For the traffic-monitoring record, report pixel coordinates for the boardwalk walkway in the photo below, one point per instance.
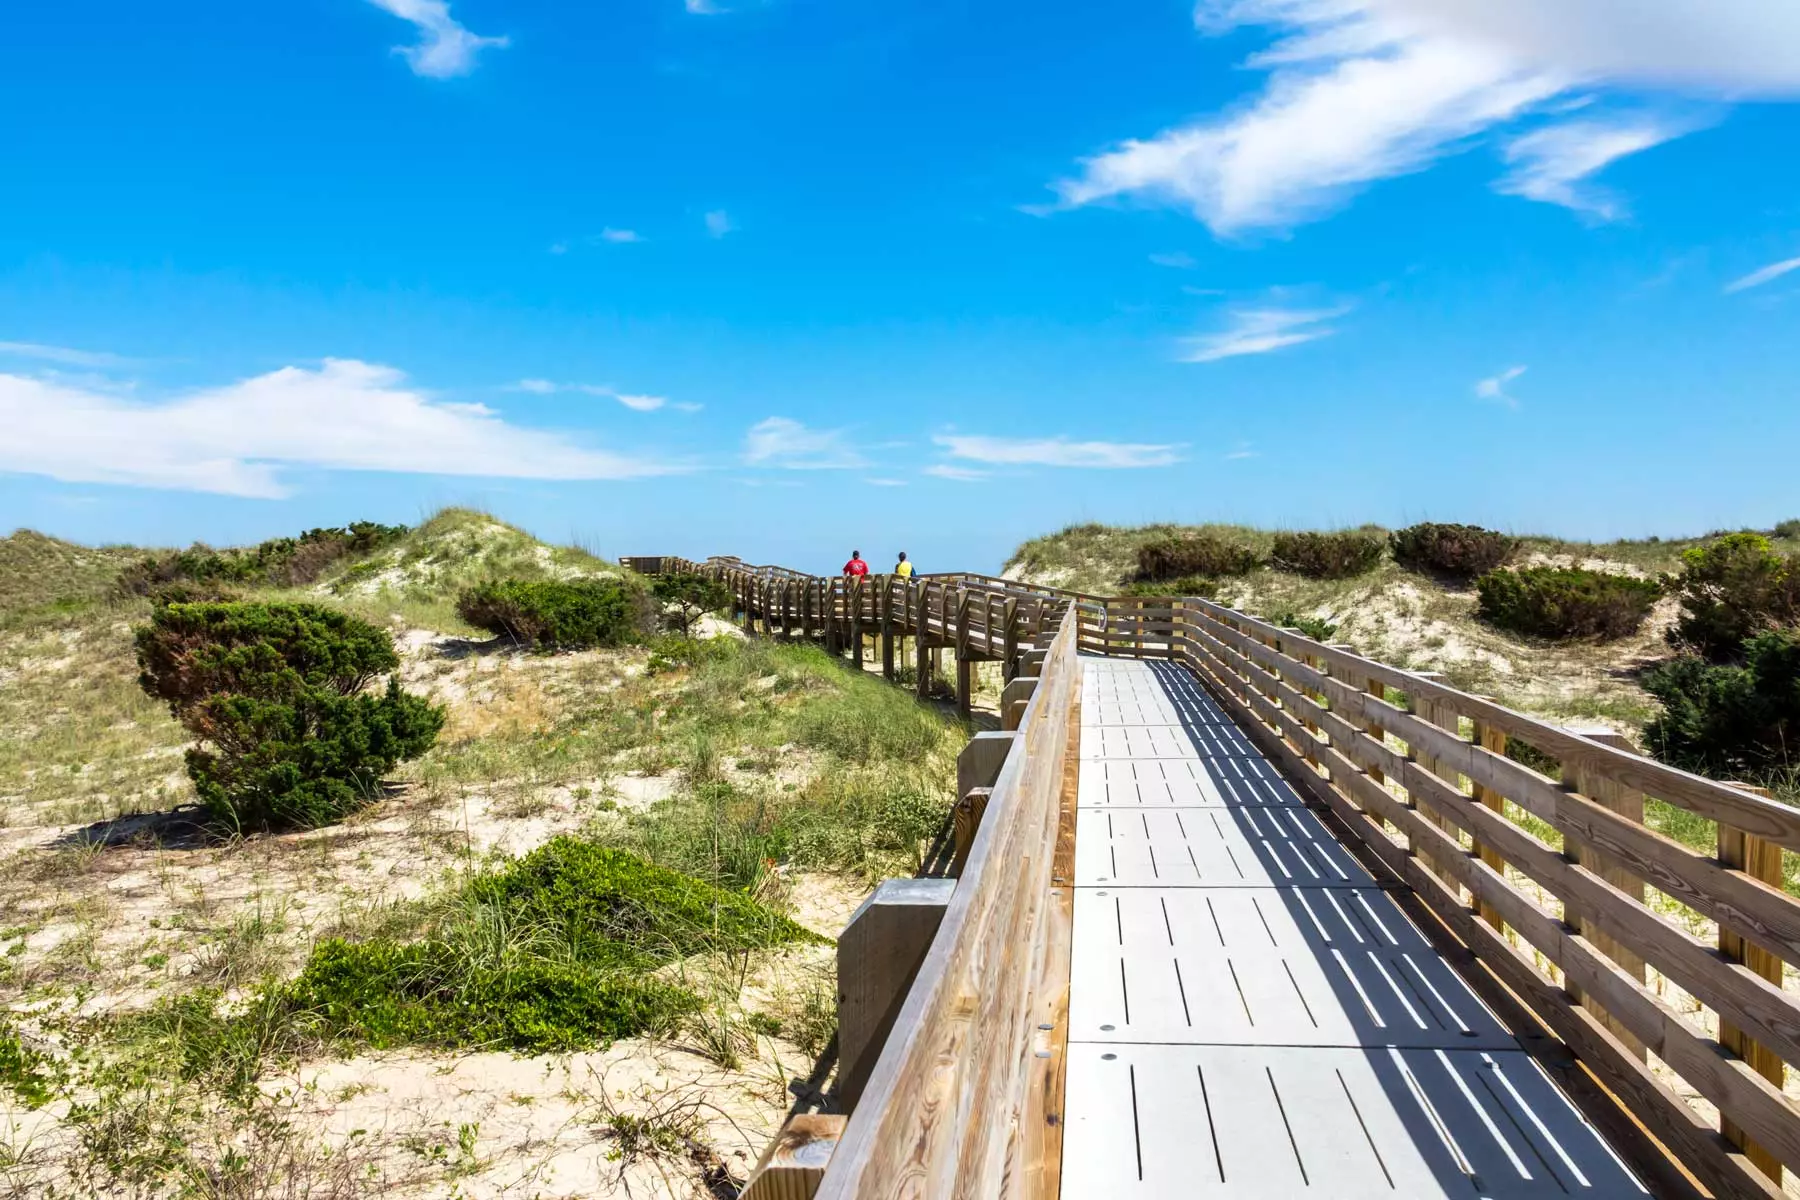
(1250, 1015)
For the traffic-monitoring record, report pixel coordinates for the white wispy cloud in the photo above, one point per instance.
(559, 247)
(788, 444)
(639, 403)
(1494, 387)
(719, 223)
(703, 8)
(235, 440)
(1362, 90)
(1180, 260)
(878, 482)
(1260, 330)
(445, 49)
(1241, 451)
(63, 355)
(619, 236)
(958, 474)
(1767, 274)
(1554, 164)
(1056, 452)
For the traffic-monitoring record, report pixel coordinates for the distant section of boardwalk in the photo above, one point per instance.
(1250, 1014)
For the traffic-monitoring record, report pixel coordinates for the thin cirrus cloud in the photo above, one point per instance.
(1363, 90)
(1180, 260)
(1555, 164)
(1055, 452)
(620, 236)
(237, 439)
(719, 223)
(787, 444)
(955, 473)
(63, 356)
(1494, 387)
(445, 48)
(1768, 274)
(1259, 331)
(637, 402)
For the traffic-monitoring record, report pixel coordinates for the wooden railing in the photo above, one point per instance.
(1597, 921)
(1657, 962)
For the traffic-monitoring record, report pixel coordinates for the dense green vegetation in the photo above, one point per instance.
(1327, 555)
(1736, 721)
(1174, 558)
(274, 695)
(1461, 552)
(278, 562)
(1566, 602)
(1732, 589)
(552, 952)
(556, 614)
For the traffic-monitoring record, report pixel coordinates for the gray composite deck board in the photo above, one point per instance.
(1250, 1014)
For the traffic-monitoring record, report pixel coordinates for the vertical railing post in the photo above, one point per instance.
(922, 641)
(1494, 741)
(965, 666)
(887, 628)
(1760, 860)
(1602, 790)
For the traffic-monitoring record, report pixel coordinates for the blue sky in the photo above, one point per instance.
(784, 277)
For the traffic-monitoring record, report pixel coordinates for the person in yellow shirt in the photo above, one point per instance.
(903, 568)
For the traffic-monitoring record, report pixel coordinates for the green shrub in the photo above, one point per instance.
(278, 562)
(1460, 551)
(1730, 719)
(1787, 530)
(1565, 602)
(274, 695)
(1732, 589)
(1173, 558)
(559, 614)
(672, 651)
(687, 597)
(190, 652)
(1327, 555)
(1316, 628)
(304, 759)
(1192, 585)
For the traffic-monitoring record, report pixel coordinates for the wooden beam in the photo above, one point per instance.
(794, 1164)
(1759, 860)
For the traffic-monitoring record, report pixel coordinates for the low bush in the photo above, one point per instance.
(1460, 551)
(1191, 585)
(1730, 719)
(550, 953)
(1327, 555)
(305, 759)
(278, 562)
(1787, 530)
(1732, 589)
(1565, 602)
(1316, 628)
(687, 597)
(189, 653)
(1175, 558)
(274, 695)
(559, 614)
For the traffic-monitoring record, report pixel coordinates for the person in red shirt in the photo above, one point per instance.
(856, 567)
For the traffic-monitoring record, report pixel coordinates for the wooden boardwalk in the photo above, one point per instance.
(1250, 1014)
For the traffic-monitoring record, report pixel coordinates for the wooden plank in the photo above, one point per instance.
(1760, 860)
(794, 1164)
(1494, 742)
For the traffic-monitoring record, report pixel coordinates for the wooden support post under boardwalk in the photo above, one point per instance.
(1761, 860)
(965, 824)
(921, 650)
(795, 1162)
(853, 598)
(878, 956)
